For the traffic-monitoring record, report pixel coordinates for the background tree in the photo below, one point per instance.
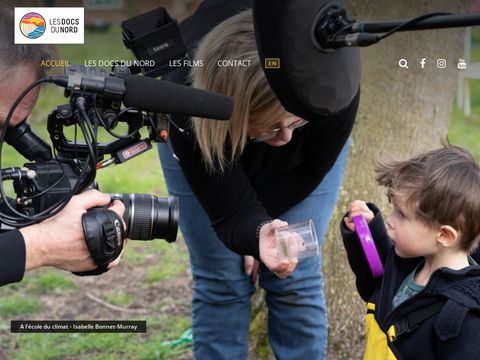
(402, 112)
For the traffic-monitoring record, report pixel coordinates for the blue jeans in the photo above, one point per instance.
(221, 309)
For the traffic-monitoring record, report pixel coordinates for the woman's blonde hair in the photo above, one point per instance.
(254, 102)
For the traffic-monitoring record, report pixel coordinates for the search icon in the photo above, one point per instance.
(403, 63)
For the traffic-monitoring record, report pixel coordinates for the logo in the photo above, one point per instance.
(272, 63)
(422, 63)
(118, 231)
(441, 63)
(32, 25)
(462, 64)
(135, 150)
(49, 25)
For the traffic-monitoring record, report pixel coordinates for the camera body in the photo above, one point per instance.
(53, 181)
(44, 185)
(49, 181)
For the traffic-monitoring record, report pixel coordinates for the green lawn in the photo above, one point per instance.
(158, 264)
(158, 267)
(466, 131)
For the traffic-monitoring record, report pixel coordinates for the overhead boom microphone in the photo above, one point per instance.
(309, 83)
(334, 29)
(309, 50)
(435, 22)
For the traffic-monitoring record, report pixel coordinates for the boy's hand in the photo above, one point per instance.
(357, 207)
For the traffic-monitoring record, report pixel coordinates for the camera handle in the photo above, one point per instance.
(104, 233)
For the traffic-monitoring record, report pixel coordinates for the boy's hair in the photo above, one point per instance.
(442, 187)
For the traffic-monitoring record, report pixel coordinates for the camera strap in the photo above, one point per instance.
(104, 233)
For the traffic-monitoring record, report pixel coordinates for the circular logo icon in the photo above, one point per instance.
(32, 25)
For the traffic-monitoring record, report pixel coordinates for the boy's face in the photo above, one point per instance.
(410, 237)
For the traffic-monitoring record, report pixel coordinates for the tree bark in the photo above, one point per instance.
(402, 112)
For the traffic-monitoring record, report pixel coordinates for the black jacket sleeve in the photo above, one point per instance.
(229, 199)
(233, 205)
(12, 257)
(320, 151)
(365, 281)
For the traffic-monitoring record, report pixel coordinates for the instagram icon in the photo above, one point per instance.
(441, 63)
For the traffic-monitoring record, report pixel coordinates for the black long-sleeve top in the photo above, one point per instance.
(450, 334)
(265, 181)
(12, 257)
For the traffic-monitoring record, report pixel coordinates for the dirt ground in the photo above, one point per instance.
(88, 298)
(162, 299)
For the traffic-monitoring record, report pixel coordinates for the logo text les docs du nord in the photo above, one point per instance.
(49, 25)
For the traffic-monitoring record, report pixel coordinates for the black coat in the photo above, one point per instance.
(12, 257)
(451, 333)
(265, 181)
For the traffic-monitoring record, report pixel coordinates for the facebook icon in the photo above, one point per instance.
(422, 63)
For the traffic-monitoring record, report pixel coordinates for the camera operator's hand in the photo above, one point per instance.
(59, 240)
(358, 207)
(269, 253)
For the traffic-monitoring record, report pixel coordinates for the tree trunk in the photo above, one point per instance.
(402, 112)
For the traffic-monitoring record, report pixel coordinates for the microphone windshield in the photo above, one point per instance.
(162, 96)
(307, 81)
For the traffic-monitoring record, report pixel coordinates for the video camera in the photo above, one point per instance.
(48, 181)
(46, 184)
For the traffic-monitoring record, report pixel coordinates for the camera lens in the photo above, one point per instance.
(149, 217)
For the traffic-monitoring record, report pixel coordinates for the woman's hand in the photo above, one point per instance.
(357, 207)
(251, 267)
(269, 253)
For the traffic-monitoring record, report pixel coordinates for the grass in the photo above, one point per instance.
(53, 282)
(167, 268)
(135, 254)
(162, 261)
(27, 300)
(161, 272)
(19, 304)
(465, 131)
(103, 346)
(116, 297)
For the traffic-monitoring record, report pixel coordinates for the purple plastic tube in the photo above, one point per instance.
(368, 245)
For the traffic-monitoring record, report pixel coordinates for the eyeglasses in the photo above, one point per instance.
(272, 133)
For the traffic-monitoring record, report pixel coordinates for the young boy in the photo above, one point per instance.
(427, 304)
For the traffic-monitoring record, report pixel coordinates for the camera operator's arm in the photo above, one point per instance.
(12, 257)
(59, 241)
